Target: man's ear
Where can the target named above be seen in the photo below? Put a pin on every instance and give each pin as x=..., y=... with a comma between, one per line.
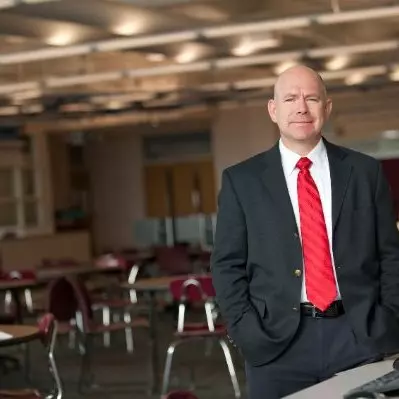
x=328, y=107
x=271, y=107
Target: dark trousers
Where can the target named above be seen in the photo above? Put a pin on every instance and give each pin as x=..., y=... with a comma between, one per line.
x=321, y=348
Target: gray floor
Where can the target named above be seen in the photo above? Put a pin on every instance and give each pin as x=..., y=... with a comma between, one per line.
x=124, y=375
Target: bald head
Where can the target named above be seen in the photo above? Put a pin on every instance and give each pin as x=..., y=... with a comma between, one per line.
x=299, y=73
x=300, y=108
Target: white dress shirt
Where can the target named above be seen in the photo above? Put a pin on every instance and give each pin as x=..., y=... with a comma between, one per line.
x=320, y=171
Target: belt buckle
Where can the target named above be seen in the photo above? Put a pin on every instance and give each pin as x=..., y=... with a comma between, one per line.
x=315, y=314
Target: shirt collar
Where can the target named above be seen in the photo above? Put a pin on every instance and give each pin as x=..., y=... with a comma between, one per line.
x=290, y=158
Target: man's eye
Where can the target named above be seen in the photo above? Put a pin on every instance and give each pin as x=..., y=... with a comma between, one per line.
x=289, y=100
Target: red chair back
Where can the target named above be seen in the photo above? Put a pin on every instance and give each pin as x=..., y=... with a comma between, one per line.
x=61, y=299
x=46, y=327
x=192, y=288
x=83, y=300
x=173, y=260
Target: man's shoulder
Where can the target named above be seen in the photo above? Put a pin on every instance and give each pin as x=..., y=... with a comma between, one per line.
x=250, y=165
x=357, y=158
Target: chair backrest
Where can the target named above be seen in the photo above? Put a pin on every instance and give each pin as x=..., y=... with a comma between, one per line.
x=173, y=260
x=48, y=334
x=83, y=301
x=61, y=299
x=192, y=288
x=181, y=395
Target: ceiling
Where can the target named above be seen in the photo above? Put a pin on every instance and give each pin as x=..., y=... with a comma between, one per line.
x=82, y=58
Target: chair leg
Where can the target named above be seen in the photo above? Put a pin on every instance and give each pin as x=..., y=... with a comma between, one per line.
x=85, y=376
x=128, y=332
x=106, y=322
x=168, y=366
x=28, y=300
x=54, y=372
x=230, y=366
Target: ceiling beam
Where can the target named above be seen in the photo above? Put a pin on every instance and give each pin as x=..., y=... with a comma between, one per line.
x=306, y=21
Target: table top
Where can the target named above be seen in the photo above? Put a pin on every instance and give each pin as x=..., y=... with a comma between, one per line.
x=154, y=283
x=20, y=334
x=17, y=284
x=343, y=382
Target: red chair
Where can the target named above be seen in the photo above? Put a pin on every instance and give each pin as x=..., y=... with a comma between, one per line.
x=106, y=302
x=48, y=334
x=180, y=395
x=194, y=290
x=173, y=260
x=88, y=327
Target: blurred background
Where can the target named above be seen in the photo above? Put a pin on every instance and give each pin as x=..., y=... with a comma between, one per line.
x=117, y=117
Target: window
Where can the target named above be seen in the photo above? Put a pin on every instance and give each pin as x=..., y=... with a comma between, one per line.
x=18, y=200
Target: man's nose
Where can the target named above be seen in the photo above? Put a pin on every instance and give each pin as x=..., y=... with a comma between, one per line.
x=302, y=106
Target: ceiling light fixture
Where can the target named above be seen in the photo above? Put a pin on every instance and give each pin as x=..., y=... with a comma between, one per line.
x=156, y=57
x=338, y=62
x=62, y=38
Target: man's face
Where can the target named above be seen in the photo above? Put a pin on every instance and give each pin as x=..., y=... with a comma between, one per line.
x=300, y=107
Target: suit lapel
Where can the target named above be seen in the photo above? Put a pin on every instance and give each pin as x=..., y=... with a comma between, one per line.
x=340, y=171
x=274, y=181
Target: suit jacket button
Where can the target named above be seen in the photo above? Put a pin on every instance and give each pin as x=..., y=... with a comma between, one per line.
x=295, y=308
x=298, y=272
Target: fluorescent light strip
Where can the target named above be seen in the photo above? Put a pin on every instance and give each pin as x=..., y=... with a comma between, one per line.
x=262, y=26
x=43, y=54
x=83, y=79
x=169, y=69
x=233, y=62
x=17, y=87
x=358, y=15
x=368, y=71
x=145, y=41
x=211, y=32
x=354, y=49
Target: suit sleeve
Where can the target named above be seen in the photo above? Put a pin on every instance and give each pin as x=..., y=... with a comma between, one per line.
x=388, y=244
x=229, y=256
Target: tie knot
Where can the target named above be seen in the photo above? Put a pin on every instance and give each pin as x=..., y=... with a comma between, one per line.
x=304, y=164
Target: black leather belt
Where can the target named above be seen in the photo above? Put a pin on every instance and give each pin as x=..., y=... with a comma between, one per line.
x=334, y=310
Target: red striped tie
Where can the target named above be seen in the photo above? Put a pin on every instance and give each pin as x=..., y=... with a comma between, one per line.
x=320, y=283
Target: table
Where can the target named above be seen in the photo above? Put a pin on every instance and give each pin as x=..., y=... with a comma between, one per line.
x=20, y=334
x=337, y=386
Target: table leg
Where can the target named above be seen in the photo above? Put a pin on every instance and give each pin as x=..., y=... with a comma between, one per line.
x=154, y=388
x=18, y=305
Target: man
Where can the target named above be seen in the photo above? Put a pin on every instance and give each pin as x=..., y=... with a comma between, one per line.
x=306, y=257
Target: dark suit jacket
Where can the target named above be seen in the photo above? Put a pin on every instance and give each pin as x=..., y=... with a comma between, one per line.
x=258, y=252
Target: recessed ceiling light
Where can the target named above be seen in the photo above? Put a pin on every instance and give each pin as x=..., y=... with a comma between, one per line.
x=355, y=79
x=62, y=38
x=280, y=68
x=186, y=56
x=394, y=75
x=247, y=46
x=338, y=62
x=128, y=28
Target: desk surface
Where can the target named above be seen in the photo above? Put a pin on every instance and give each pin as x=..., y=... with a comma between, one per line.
x=336, y=387
x=18, y=334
